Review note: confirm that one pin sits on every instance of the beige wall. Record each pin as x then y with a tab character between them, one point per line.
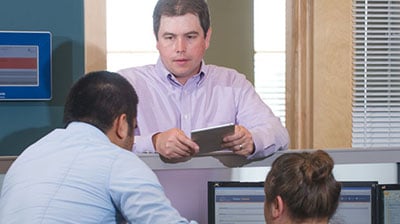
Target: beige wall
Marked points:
332	73
319	73
232	38
95	35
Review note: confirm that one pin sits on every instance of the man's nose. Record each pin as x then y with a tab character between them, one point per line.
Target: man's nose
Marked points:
180	45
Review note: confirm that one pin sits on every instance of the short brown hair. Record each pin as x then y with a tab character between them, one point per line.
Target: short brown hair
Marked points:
180	8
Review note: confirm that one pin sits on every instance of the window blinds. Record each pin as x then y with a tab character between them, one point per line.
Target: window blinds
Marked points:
376	75
269	57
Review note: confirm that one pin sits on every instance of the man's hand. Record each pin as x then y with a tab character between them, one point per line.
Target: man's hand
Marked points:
241	142
174	144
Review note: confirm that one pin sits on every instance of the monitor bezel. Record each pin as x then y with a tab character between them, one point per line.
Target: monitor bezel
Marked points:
380	199
42	91
373	186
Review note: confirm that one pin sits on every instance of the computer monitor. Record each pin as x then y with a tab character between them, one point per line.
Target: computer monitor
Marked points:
25	65
389	203
357	203
236	202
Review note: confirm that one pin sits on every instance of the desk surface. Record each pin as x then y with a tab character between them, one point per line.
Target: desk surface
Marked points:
340	156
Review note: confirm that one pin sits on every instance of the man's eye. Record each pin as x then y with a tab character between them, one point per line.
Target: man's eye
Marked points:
168	37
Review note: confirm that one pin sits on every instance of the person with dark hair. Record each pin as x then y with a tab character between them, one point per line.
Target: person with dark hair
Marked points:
183	93
300	188
85	172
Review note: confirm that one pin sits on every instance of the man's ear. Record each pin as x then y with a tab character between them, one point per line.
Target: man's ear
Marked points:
121	126
277	207
208	37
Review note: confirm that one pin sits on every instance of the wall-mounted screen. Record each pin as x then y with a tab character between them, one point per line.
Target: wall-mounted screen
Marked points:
25	65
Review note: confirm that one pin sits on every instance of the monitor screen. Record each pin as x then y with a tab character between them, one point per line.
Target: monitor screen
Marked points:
389	203
25	65
236	202
357	203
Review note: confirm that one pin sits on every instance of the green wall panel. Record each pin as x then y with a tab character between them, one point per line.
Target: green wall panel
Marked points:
23	122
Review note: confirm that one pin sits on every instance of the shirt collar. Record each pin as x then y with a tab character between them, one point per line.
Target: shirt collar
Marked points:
88	130
166	75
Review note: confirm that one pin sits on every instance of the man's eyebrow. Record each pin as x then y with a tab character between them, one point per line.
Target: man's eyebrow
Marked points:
192	32
168	34
173	34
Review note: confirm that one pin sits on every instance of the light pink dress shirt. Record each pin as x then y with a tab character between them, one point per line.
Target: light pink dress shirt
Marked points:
215	96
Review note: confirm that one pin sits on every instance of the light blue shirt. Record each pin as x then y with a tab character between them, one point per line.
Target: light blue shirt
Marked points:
76	175
215	96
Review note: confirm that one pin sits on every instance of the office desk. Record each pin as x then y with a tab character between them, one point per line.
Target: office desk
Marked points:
185	183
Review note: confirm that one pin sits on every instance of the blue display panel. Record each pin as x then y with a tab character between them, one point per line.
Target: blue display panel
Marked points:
25	65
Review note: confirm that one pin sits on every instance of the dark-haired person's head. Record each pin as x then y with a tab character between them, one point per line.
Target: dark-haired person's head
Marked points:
301	188
103	99
171	8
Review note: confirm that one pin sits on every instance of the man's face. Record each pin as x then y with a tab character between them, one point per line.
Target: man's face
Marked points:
182	45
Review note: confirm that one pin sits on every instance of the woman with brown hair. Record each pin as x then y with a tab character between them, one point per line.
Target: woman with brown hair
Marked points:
300	188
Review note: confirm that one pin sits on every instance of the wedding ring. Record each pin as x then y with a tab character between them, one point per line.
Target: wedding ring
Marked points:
240	147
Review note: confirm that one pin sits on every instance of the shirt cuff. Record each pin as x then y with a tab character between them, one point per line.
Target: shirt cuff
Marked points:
264	146
143	144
